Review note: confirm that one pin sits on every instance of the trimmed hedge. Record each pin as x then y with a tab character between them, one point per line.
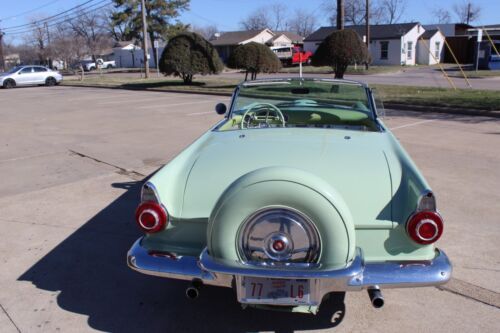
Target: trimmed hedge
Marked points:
254	58
188	54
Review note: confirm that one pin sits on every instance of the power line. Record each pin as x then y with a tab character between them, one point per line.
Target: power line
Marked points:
51	17
29	11
35	26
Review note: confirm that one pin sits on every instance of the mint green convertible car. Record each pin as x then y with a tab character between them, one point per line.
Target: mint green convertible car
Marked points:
300	191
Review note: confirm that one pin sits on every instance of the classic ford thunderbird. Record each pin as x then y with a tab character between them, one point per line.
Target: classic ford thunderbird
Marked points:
300	191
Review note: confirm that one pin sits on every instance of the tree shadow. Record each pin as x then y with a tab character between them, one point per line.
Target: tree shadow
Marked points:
89	272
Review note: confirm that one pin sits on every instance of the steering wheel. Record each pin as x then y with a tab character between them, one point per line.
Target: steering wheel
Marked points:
253	116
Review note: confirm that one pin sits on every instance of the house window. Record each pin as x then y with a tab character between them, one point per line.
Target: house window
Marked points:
384	50
436	51
409	51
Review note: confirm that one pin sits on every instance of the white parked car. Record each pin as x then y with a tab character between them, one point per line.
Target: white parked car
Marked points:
30	75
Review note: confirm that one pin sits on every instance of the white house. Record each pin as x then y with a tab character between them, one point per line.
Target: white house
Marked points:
390	44
226	42
430	48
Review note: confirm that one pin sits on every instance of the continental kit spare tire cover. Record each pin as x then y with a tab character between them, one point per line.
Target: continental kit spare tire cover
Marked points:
283	187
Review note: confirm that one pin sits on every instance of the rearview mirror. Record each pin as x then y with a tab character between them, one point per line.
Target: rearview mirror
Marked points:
221	108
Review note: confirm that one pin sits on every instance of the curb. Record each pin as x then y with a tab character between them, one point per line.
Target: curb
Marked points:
404	107
440	109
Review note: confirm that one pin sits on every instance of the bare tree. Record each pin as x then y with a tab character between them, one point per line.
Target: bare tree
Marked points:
278	13
66	45
207	32
257	20
354	12
392	10
91	28
441	15
303	23
466	11
273	16
38	40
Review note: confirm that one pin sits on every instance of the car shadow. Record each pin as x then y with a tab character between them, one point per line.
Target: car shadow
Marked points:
89	274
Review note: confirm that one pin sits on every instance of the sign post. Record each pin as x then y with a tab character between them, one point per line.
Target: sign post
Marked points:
157	45
479	40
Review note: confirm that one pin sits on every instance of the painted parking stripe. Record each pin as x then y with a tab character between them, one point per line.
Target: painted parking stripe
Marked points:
413	124
200	113
175	104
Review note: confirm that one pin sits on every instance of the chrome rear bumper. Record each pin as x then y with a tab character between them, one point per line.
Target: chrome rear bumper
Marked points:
357	276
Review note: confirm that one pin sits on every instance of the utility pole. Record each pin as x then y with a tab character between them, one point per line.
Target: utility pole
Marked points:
2	61
48	44
340	14
145	39
367	65
468	13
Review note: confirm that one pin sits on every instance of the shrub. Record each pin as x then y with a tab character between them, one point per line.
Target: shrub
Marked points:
339	50
188	54
254	58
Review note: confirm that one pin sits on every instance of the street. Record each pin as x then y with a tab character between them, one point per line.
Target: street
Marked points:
72	162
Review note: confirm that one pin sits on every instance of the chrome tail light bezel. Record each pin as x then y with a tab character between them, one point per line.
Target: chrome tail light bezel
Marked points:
425	214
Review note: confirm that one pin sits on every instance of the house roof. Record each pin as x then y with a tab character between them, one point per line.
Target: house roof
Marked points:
428	34
295	38
235	37
377	31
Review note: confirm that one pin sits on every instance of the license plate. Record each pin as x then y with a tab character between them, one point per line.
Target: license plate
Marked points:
275	291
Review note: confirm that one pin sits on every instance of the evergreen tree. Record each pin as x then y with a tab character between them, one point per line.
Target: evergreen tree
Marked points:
254	58
160	16
339	50
188	54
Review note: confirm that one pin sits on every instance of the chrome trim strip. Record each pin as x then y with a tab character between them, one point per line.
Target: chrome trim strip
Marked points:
356	276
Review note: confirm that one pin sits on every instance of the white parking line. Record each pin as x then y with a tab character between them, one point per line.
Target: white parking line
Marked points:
413	124
127	101
199	113
175	104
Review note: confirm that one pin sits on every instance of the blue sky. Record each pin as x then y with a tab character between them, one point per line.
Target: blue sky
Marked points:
227	14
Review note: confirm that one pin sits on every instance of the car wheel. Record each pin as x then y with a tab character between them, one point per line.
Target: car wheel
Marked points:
50	81
7	84
109	67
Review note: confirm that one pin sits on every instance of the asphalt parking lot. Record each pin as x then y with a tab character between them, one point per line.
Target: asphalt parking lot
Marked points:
71	165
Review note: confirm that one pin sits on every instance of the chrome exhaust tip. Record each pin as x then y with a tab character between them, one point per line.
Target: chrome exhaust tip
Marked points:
192	292
376	297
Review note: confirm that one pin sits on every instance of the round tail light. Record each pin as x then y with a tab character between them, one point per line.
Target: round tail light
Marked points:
151	217
425	227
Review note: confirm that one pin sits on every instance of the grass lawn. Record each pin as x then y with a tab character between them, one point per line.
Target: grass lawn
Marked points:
200	84
424	96
409	95
351	70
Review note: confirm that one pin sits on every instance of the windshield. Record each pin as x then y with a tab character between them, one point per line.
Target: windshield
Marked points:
301	103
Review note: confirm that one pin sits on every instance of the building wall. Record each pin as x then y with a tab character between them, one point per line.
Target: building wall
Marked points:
423	56
411	37
261	38
393	54
282	41
134	58
311	46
